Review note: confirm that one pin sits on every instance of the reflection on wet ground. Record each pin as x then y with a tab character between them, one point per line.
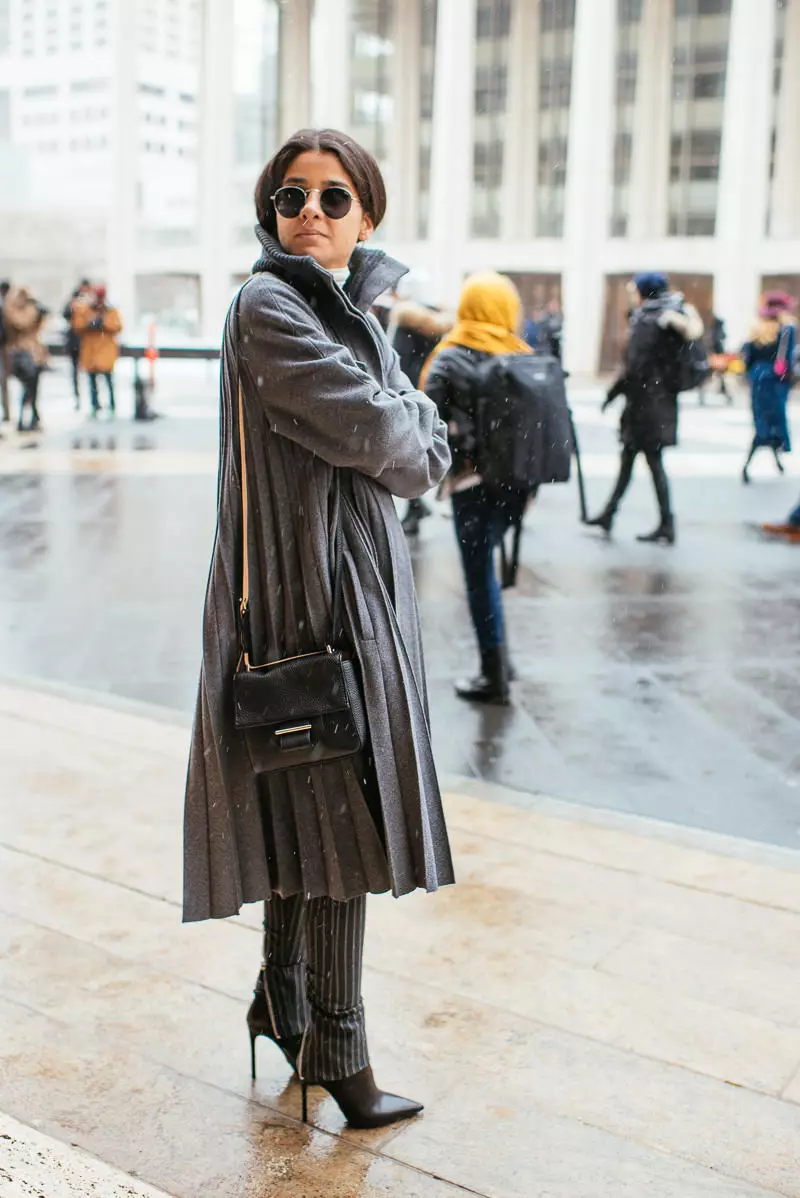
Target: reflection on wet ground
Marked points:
656	681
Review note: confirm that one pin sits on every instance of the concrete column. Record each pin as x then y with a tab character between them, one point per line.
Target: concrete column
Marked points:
403	180
651	124
521	159
330	58
125	158
588	195
295	67
216	165
744	163
451	166
786	183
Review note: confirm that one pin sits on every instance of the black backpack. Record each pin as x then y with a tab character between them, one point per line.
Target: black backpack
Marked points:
661	354
523	427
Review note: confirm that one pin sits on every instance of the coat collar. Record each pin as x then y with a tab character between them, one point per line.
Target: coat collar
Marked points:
371	271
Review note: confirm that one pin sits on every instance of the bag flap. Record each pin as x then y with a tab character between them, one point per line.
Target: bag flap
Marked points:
298	689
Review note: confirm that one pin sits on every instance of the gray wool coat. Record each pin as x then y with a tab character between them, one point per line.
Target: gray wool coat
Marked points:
324	399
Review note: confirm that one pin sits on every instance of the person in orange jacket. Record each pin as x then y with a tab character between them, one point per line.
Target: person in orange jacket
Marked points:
98	324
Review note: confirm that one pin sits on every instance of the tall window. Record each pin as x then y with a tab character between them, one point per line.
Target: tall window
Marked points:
372	66
5	25
493	26
556	34
700	55
629	17
256	80
427	67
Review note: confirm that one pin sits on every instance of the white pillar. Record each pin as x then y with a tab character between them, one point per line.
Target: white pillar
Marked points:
744	163
451	163
125	158
522	113
330	58
651	124
294	65
786	184
588	195
216	165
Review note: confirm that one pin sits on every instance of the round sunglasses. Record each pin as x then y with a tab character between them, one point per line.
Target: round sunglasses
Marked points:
290	201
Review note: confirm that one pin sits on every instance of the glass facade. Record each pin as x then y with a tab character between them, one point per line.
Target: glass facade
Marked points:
256	81
699	66
629	26
372	64
493	27
556	35
427	66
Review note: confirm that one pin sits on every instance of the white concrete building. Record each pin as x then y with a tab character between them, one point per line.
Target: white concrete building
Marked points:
569	142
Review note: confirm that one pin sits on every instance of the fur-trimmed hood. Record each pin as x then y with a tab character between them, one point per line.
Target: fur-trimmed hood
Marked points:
418	318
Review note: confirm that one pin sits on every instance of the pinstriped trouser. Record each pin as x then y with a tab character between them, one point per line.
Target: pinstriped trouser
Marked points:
313	956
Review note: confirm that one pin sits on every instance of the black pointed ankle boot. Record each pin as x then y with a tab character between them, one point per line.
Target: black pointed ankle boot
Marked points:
491	685
260	1024
362	1103
665	532
605	520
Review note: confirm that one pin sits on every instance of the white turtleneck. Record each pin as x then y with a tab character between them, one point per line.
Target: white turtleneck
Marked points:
340	275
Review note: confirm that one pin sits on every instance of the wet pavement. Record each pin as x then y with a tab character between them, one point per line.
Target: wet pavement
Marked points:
577	1014
654	681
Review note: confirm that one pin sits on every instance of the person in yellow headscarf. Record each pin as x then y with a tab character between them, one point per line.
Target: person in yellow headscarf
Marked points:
488	324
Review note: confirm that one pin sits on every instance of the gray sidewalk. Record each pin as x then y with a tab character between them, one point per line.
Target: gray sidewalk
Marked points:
603	1006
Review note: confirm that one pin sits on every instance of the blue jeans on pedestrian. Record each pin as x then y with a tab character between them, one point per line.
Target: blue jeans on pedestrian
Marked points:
481	517
106	374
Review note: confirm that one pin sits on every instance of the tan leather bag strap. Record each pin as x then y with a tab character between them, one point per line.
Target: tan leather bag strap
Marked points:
245	594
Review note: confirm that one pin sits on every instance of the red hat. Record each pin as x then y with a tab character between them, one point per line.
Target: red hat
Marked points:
100	292
774	303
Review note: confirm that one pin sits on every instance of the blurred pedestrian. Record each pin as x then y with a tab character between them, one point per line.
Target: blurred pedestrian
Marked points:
718	359
72	341
530	330
658	366
790	530
23	319
551	329
5	415
769	362
488	324
98	324
415	328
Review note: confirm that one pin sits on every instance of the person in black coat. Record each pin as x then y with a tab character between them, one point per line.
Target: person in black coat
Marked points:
415	328
660	322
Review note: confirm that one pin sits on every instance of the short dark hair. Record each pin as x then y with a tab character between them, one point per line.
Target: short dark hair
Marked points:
5	286
357	162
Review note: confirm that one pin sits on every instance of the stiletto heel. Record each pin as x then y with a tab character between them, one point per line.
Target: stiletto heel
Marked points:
304	1092
253	1035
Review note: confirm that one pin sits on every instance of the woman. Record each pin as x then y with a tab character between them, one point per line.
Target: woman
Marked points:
661	324
24	320
487	324
333	430
768	359
98	325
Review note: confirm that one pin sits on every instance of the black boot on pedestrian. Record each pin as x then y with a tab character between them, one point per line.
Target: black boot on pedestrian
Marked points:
491	685
417	511
605	520
665	532
778	462
259	1024
362	1103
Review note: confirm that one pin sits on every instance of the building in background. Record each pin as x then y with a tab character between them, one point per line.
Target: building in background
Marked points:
568	142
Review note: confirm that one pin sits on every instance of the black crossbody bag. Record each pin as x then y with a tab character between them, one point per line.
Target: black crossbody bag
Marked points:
303	710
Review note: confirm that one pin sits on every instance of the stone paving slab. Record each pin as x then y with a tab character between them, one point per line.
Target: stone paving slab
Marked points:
602	1004
33	1165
